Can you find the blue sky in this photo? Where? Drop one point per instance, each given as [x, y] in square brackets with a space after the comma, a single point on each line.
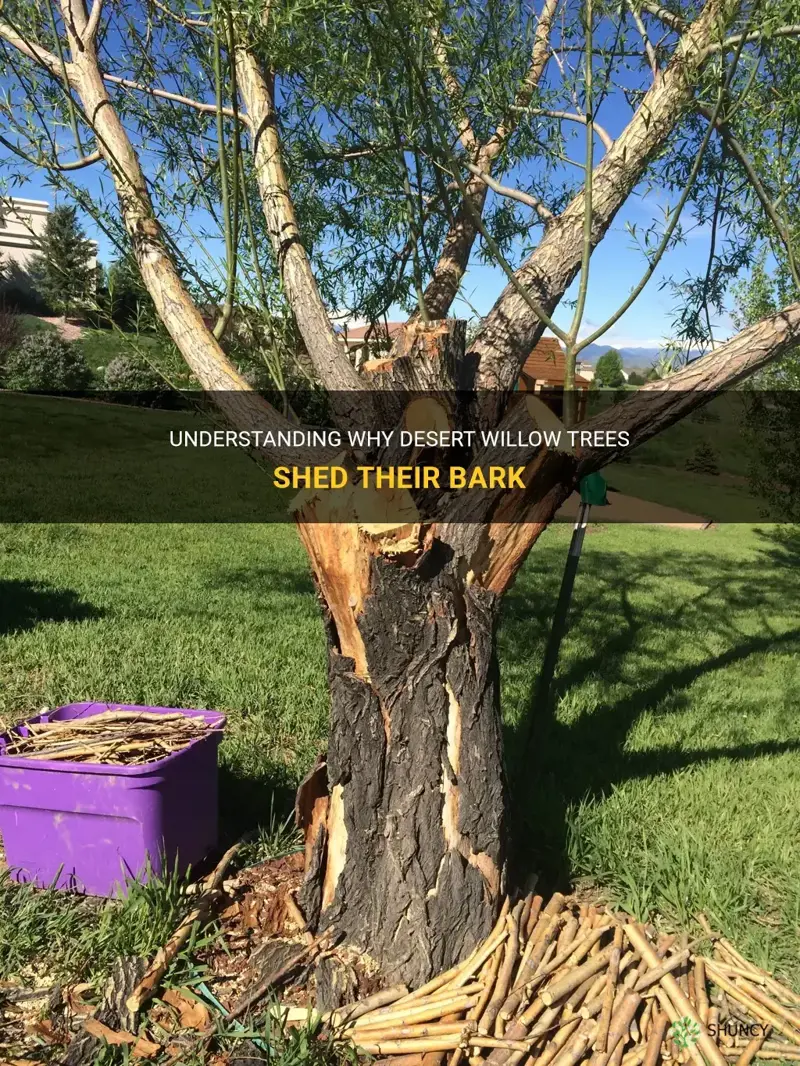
[615, 268]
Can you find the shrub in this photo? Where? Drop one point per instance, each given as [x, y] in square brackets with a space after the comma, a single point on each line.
[704, 460]
[45, 362]
[258, 378]
[129, 373]
[11, 333]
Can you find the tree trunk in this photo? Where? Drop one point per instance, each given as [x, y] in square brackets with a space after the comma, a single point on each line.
[409, 860]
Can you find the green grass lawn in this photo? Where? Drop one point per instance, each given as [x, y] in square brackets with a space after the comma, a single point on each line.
[668, 772]
[100, 346]
[32, 324]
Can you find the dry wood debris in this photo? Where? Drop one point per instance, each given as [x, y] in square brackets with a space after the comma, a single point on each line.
[128, 738]
[561, 984]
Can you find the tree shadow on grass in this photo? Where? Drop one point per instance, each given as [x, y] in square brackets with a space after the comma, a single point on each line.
[247, 802]
[25, 604]
[634, 623]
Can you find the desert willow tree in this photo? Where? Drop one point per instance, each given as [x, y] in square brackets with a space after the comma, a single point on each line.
[376, 149]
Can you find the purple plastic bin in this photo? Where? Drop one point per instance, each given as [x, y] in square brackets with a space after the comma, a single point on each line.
[99, 824]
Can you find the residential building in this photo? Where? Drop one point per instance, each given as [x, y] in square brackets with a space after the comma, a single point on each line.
[543, 372]
[22, 223]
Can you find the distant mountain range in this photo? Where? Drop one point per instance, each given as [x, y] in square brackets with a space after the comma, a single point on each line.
[631, 357]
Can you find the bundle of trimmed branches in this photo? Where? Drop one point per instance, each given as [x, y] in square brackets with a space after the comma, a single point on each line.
[558, 985]
[119, 737]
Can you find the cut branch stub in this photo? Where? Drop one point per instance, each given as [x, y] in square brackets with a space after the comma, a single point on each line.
[425, 357]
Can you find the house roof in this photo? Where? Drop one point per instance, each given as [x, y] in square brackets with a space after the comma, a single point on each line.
[380, 331]
[547, 364]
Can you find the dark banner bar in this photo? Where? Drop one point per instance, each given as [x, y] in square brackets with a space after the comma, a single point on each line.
[166, 457]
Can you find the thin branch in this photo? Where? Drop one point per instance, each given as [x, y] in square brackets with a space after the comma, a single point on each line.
[93, 23]
[540, 54]
[648, 47]
[452, 86]
[663, 244]
[741, 156]
[73, 118]
[30, 50]
[180, 19]
[51, 164]
[225, 193]
[79, 164]
[667, 236]
[712, 244]
[669, 18]
[458, 243]
[754, 35]
[176, 98]
[571, 116]
[506, 267]
[588, 216]
[509, 329]
[544, 213]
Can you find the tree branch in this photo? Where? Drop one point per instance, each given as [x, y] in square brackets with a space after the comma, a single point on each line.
[540, 54]
[755, 35]
[741, 156]
[180, 19]
[453, 260]
[92, 26]
[669, 18]
[544, 213]
[572, 116]
[659, 404]
[51, 164]
[30, 50]
[510, 330]
[466, 134]
[174, 306]
[325, 349]
[516, 520]
[176, 98]
[648, 47]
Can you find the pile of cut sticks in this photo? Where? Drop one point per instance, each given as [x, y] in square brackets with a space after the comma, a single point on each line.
[119, 737]
[561, 984]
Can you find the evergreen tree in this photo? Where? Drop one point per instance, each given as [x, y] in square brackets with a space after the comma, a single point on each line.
[608, 372]
[130, 304]
[63, 272]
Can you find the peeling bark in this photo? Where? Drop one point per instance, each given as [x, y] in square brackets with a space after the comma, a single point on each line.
[415, 861]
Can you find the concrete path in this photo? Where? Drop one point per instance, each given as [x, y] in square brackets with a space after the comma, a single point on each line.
[622, 508]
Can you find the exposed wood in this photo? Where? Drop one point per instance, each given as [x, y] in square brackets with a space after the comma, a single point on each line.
[753, 1048]
[603, 1025]
[673, 991]
[570, 981]
[656, 1038]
